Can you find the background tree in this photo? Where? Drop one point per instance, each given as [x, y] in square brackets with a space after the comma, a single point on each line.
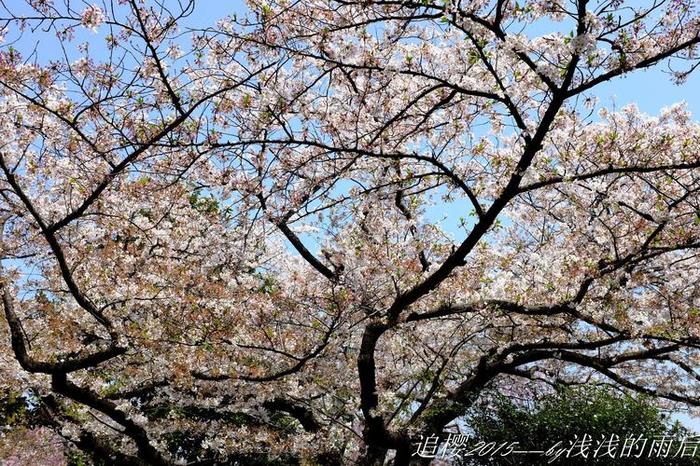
[570, 414]
[224, 240]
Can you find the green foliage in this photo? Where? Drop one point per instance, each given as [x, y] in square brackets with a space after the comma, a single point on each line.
[568, 415]
[75, 457]
[204, 204]
[268, 284]
[19, 409]
[13, 409]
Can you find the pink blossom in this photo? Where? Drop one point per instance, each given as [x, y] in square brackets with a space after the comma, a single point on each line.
[92, 17]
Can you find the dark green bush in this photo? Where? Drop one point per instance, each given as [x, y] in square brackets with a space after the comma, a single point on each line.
[581, 417]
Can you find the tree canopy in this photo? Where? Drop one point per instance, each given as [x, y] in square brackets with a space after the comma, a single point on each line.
[231, 235]
[558, 420]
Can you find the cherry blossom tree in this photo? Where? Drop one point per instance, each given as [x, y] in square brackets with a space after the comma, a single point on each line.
[226, 243]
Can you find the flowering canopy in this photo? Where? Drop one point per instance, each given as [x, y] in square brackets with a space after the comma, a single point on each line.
[229, 236]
